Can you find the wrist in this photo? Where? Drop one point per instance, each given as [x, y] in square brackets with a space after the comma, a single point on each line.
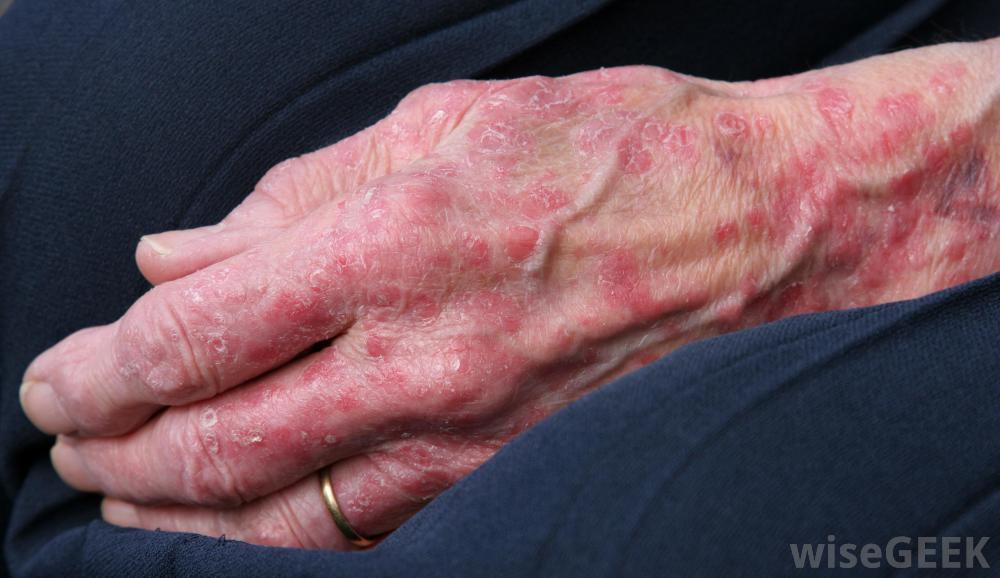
[739, 203]
[894, 185]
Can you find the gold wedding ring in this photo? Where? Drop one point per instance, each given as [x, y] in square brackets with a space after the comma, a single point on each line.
[352, 535]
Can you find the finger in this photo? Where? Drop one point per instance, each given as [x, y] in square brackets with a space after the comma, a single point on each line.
[266, 434]
[286, 193]
[240, 445]
[200, 335]
[295, 187]
[376, 492]
[175, 254]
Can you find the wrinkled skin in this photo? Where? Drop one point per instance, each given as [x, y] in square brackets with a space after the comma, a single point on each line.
[492, 251]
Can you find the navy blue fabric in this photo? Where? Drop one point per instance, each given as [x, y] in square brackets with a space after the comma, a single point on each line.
[119, 118]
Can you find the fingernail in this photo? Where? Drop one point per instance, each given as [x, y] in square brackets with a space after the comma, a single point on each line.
[70, 467]
[118, 512]
[22, 393]
[156, 246]
[44, 408]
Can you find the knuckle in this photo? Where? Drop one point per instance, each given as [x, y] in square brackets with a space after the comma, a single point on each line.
[416, 98]
[423, 201]
[435, 93]
[288, 185]
[156, 351]
[465, 385]
[434, 110]
[423, 468]
[419, 471]
[206, 478]
[402, 220]
[83, 412]
[424, 198]
[86, 407]
[288, 528]
[435, 397]
[270, 529]
[465, 401]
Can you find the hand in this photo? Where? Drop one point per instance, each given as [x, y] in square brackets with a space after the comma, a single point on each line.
[492, 251]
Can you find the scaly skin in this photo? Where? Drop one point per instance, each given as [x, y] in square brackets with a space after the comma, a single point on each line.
[492, 251]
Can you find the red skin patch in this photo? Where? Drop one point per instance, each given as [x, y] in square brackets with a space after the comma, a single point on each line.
[621, 284]
[836, 107]
[731, 125]
[907, 185]
[377, 345]
[682, 136]
[619, 276]
[542, 200]
[806, 177]
[902, 115]
[673, 138]
[263, 355]
[520, 243]
[633, 156]
[424, 307]
[961, 135]
[846, 245]
[733, 131]
[298, 308]
[956, 249]
[345, 266]
[726, 233]
[324, 370]
[647, 358]
[676, 142]
[346, 402]
[427, 201]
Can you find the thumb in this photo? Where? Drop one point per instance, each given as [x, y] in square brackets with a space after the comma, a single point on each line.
[295, 187]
